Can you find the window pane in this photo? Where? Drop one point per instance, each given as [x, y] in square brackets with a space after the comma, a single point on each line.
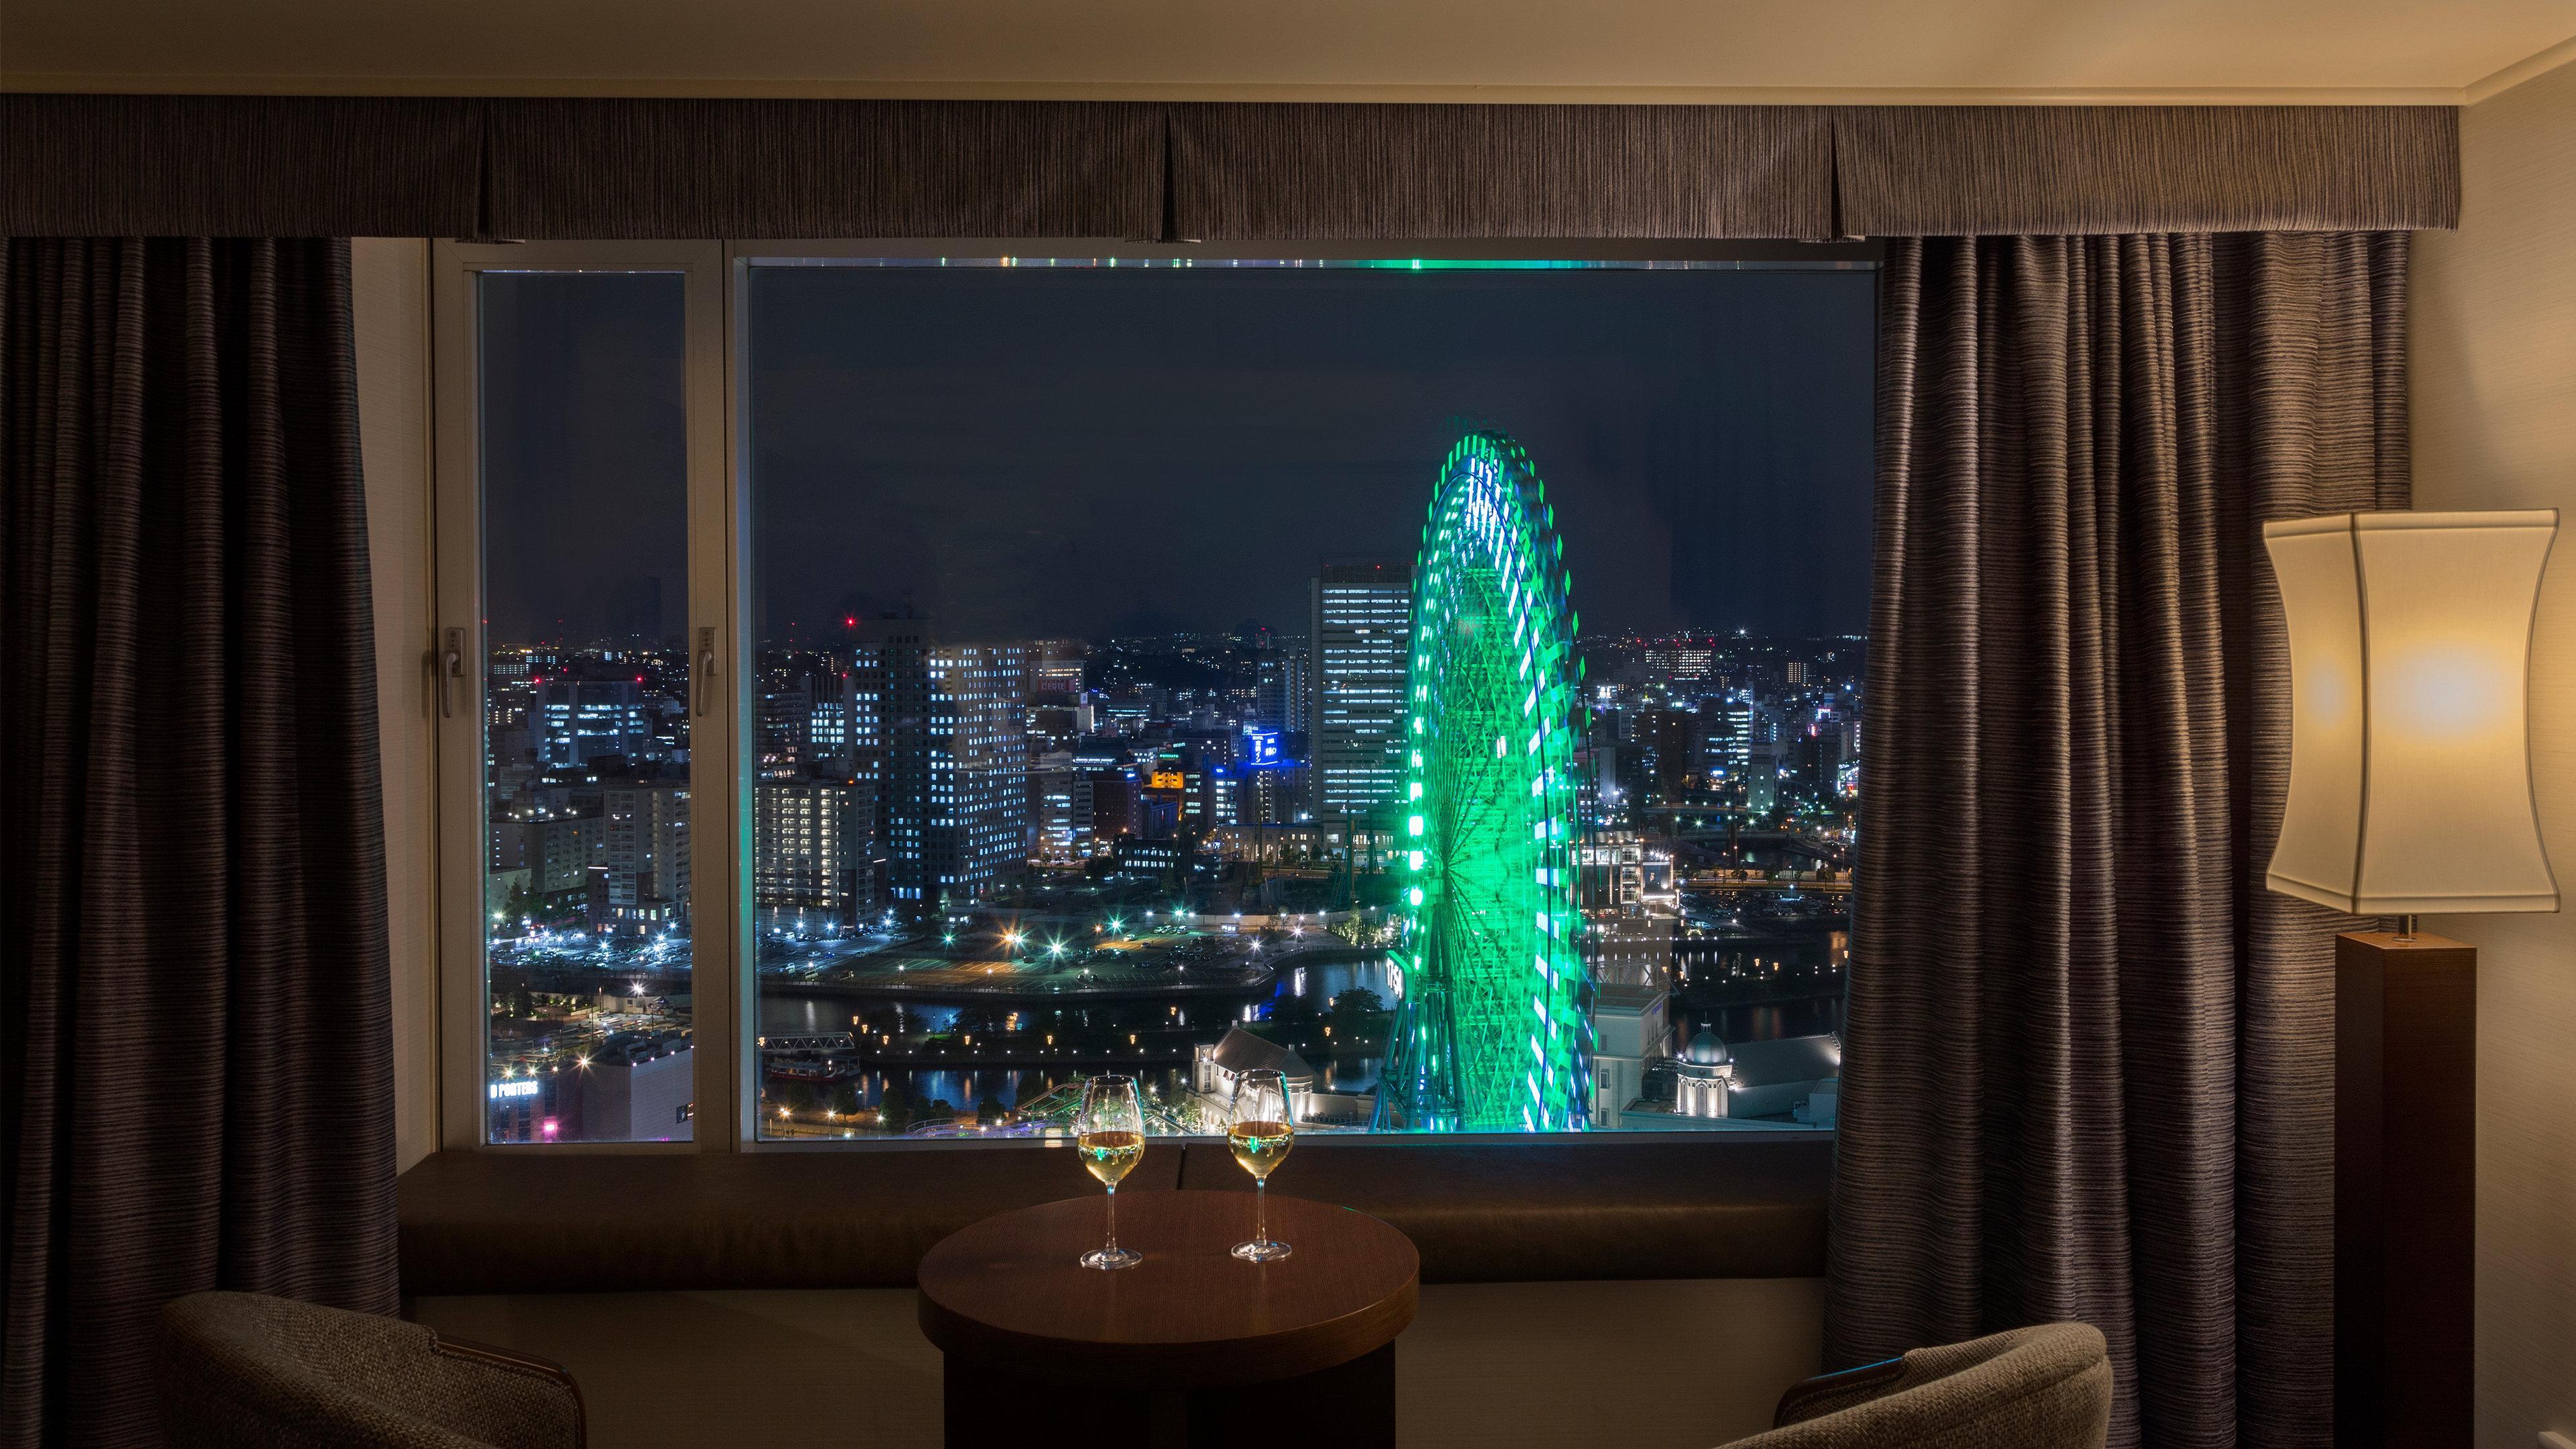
[1101, 729]
[585, 586]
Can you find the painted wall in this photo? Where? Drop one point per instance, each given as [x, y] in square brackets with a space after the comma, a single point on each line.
[389, 286]
[2494, 353]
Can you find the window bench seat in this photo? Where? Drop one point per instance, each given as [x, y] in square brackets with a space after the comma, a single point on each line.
[500, 1222]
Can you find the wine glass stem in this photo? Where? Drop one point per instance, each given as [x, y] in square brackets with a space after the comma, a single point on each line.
[1261, 1210]
[1112, 1247]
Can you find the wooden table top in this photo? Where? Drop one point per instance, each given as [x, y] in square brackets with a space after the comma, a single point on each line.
[1008, 1291]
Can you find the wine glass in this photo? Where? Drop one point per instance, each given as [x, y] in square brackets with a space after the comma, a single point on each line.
[1260, 1130]
[1109, 1135]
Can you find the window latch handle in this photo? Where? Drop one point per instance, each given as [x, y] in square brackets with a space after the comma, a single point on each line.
[451, 668]
[706, 671]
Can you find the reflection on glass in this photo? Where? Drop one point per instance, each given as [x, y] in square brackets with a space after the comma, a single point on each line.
[1261, 1130]
[1109, 1130]
[1084, 604]
[586, 689]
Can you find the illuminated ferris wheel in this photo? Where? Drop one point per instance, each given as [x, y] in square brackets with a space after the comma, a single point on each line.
[1495, 1033]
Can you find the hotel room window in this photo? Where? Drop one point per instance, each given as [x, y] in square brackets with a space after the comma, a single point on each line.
[586, 808]
[1441, 684]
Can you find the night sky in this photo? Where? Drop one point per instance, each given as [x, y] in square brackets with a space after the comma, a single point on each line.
[1024, 453]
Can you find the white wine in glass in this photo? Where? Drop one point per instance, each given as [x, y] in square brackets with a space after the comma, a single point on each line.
[1260, 1130]
[1109, 1136]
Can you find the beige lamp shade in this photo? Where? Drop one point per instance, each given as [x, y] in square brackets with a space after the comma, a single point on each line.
[2410, 749]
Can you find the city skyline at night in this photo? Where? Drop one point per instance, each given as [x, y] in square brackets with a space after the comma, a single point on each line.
[1077, 705]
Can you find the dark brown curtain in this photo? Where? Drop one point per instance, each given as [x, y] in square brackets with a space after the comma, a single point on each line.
[195, 1058]
[73, 165]
[1271, 171]
[789, 169]
[2088, 1072]
[2040, 170]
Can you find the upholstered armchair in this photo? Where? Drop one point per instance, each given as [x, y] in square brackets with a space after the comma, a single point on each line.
[244, 1369]
[2047, 1387]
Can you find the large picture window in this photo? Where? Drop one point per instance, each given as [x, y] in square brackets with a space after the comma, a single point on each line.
[1092, 720]
[1440, 682]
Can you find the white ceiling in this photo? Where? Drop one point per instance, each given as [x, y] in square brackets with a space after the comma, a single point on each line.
[2421, 50]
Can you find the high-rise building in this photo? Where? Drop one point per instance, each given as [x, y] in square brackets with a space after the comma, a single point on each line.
[1765, 742]
[1360, 618]
[785, 722]
[828, 732]
[1115, 802]
[810, 842]
[576, 721]
[1672, 736]
[1059, 811]
[1272, 793]
[1283, 687]
[943, 743]
[555, 849]
[1727, 751]
[647, 879]
[1679, 661]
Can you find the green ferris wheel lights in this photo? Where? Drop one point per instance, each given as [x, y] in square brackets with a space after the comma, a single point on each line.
[1495, 1033]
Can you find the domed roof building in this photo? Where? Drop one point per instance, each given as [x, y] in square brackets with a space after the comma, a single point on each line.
[1706, 1050]
[1701, 1076]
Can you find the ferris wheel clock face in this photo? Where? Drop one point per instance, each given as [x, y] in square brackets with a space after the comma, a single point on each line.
[1495, 1031]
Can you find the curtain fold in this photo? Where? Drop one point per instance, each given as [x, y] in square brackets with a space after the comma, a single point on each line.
[195, 1057]
[2088, 1072]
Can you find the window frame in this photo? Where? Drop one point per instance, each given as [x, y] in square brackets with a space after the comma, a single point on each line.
[715, 324]
[715, 775]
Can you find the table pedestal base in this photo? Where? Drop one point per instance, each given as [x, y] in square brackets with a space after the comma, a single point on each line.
[1348, 1406]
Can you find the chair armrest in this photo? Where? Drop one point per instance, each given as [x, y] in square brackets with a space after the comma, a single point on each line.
[548, 1382]
[1827, 1393]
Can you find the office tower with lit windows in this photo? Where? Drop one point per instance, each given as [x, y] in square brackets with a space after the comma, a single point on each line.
[1726, 750]
[827, 728]
[810, 847]
[1360, 617]
[1282, 691]
[1059, 811]
[1679, 661]
[945, 748]
[784, 723]
[576, 721]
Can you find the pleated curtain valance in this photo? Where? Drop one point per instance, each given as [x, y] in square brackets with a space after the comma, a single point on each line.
[1257, 172]
[2060, 170]
[238, 166]
[774, 169]
[520, 168]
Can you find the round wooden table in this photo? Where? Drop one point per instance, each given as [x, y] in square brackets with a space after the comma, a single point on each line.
[1205, 1348]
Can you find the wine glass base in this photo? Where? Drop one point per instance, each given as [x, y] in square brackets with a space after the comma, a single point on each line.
[1261, 1252]
[1111, 1259]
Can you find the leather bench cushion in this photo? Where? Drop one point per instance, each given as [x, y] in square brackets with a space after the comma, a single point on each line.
[560, 1222]
[1550, 1211]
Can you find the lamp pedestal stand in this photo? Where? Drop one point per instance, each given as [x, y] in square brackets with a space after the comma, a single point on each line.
[2406, 1039]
